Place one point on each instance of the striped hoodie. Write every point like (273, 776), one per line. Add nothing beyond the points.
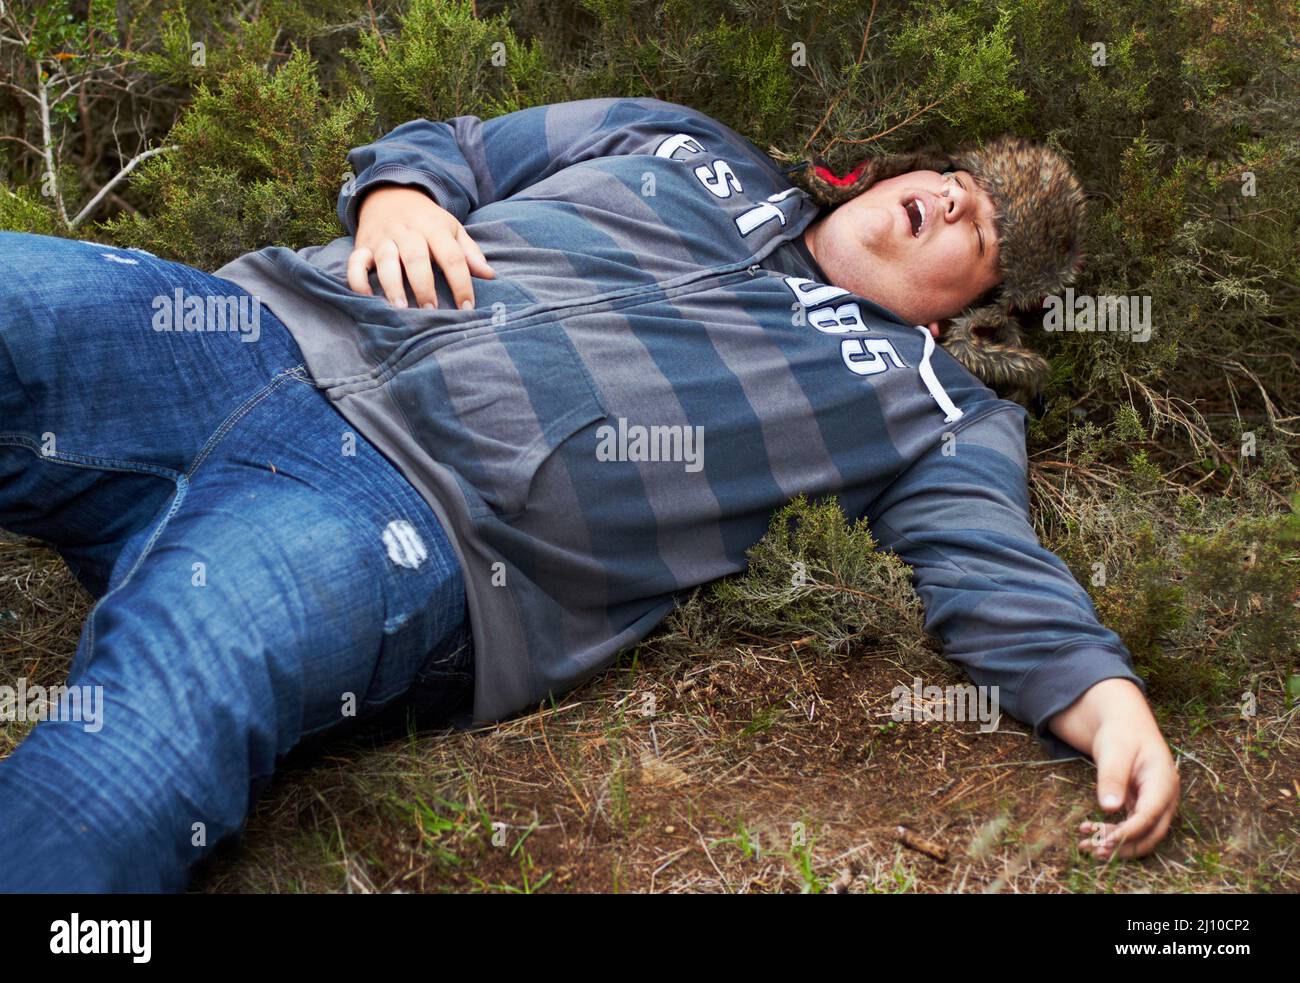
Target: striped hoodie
(646, 380)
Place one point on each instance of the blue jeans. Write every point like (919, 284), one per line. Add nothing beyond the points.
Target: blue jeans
(262, 573)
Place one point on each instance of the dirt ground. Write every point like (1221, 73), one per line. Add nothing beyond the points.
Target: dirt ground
(755, 768)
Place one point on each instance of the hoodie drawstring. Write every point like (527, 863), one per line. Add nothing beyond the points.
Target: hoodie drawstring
(952, 413)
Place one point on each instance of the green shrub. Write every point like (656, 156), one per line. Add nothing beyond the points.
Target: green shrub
(818, 579)
(259, 160)
(1186, 137)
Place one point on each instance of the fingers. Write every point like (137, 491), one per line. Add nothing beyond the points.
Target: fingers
(402, 227)
(1148, 820)
(359, 263)
(1150, 793)
(1114, 766)
(1149, 842)
(388, 267)
(1123, 842)
(415, 257)
(451, 260)
(478, 263)
(457, 256)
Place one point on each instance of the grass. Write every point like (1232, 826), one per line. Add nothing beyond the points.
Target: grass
(1164, 474)
(750, 767)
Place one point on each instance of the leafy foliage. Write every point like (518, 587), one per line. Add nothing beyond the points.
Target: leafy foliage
(817, 577)
(1171, 463)
(258, 161)
(443, 61)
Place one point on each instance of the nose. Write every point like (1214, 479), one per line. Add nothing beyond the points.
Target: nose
(955, 200)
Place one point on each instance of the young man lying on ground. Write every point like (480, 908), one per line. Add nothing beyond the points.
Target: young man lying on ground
(466, 533)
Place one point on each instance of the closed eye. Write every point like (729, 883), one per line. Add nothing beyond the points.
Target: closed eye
(979, 232)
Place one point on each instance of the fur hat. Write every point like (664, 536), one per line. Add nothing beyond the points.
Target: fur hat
(1040, 218)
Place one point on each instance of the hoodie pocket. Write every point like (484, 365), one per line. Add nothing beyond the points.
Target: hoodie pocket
(496, 404)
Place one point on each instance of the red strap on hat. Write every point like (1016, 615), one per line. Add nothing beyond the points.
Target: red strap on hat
(830, 177)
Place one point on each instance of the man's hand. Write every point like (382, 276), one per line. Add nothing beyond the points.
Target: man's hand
(400, 226)
(1113, 723)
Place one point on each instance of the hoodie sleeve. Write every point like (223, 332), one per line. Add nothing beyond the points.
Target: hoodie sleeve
(1005, 608)
(466, 162)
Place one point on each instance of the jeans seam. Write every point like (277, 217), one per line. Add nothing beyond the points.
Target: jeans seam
(182, 483)
(238, 414)
(93, 462)
(88, 461)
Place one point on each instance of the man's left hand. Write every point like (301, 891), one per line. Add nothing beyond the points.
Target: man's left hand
(1135, 770)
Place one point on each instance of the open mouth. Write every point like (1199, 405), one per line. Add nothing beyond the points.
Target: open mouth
(915, 214)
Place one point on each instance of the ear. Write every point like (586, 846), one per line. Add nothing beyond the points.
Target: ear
(937, 328)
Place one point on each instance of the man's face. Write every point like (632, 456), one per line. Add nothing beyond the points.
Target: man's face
(922, 244)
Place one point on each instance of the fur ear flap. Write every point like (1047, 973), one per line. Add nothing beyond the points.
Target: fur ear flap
(986, 340)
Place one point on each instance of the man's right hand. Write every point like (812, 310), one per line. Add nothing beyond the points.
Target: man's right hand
(403, 227)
